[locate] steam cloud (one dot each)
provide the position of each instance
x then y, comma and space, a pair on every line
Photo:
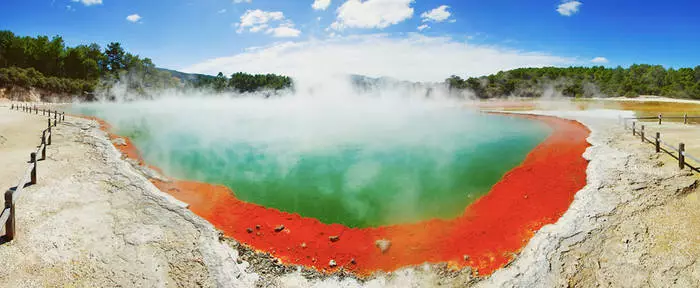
360, 131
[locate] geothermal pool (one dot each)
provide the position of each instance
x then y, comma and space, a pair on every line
368, 163
313, 181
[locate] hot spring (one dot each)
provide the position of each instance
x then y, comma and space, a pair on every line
360, 162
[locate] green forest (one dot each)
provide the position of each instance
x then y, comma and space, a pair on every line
47, 63
242, 82
585, 82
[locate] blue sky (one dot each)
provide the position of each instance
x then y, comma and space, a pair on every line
210, 35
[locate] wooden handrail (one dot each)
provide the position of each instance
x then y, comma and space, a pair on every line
680, 150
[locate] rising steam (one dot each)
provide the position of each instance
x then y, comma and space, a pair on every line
361, 154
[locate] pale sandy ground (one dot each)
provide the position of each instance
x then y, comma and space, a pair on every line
95, 221
19, 135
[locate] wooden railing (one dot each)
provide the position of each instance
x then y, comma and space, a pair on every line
660, 117
35, 109
660, 145
7, 216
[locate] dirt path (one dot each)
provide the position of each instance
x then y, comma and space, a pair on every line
91, 221
19, 135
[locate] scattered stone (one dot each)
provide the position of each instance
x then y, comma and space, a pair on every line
279, 228
352, 261
332, 263
303, 245
249, 230
383, 245
639, 186
334, 238
119, 142
257, 227
466, 257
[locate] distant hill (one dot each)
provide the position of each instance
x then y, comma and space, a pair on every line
187, 77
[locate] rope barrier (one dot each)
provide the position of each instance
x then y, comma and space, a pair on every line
691, 157
669, 145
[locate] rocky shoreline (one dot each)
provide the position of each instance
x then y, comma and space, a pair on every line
624, 228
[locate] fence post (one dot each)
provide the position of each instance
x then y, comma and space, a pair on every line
634, 132
681, 156
63, 116
658, 142
55, 116
660, 119
43, 144
49, 140
642, 133
685, 118
32, 158
12, 107
10, 224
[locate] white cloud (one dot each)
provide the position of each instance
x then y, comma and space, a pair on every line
569, 8
416, 58
254, 19
284, 31
321, 4
242, 1
257, 21
133, 18
599, 60
222, 11
372, 13
89, 2
438, 14
423, 27
258, 28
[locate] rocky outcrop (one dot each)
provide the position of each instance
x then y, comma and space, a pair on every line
22, 94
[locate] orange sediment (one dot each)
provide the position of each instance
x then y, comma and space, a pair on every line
485, 237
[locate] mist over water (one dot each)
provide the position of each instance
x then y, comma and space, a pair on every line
370, 158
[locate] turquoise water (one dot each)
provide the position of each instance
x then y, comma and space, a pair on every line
360, 167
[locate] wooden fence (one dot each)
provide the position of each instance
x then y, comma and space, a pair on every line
660, 145
660, 117
7, 217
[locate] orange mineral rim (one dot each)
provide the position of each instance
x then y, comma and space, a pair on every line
485, 237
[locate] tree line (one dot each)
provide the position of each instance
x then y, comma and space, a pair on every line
243, 82
585, 82
47, 63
